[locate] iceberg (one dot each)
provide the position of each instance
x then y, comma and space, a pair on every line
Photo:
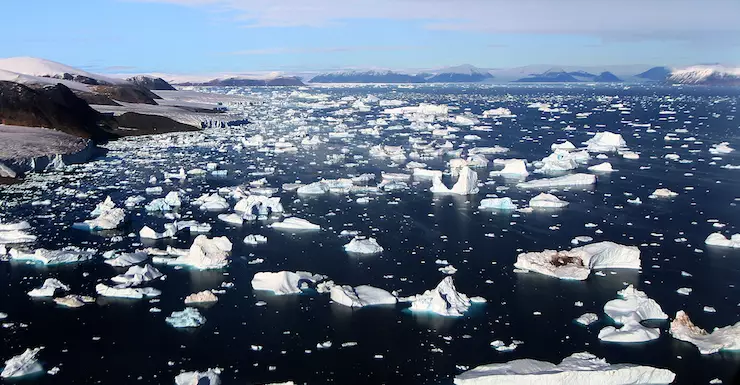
102, 207
11, 237
444, 300
362, 245
721, 148
74, 300
605, 142
587, 319
565, 146
284, 282
137, 275
663, 193
69, 254
717, 239
255, 239
361, 296
467, 183
204, 254
561, 160
263, 205
512, 168
427, 174
561, 181
629, 333
232, 219
126, 292
209, 377
205, 296
188, 318
577, 369
294, 223
48, 288
23, 364
726, 338
147, 232
212, 202
107, 220
577, 263
633, 307
602, 167
496, 204
547, 201
124, 259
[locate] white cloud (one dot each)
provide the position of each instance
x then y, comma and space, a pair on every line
658, 19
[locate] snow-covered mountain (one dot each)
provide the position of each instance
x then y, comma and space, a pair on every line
37, 67
465, 73
706, 75
367, 77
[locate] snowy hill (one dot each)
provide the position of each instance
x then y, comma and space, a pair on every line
706, 75
31, 66
465, 73
367, 77
658, 74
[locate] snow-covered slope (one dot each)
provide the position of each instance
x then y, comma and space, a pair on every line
706, 74
32, 66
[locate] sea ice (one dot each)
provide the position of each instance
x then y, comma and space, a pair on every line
561, 181
127, 292
188, 318
204, 254
116, 259
23, 364
70, 254
205, 296
294, 223
663, 193
363, 245
605, 142
577, 263
255, 239
633, 306
587, 319
496, 204
136, 275
717, 239
577, 369
602, 167
74, 300
512, 168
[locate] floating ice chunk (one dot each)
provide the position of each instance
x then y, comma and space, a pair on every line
466, 184
11, 237
602, 167
204, 254
449, 269
6, 172
180, 175
212, 202
127, 292
427, 174
14, 226
108, 219
717, 239
545, 200
209, 377
578, 369
561, 160
587, 319
294, 223
124, 259
361, 296
630, 155
443, 300
188, 318
684, 290
285, 282
636, 201
255, 239
157, 205
496, 204
133, 201
362, 245
512, 168
263, 205
501, 346
721, 148
605, 142
69, 254
147, 232
23, 364
136, 275
726, 338
581, 239
102, 207
663, 193
634, 306
577, 263
565, 146
205, 296
498, 112
74, 300
48, 288
232, 219
561, 181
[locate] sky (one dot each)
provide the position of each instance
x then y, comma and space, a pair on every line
209, 36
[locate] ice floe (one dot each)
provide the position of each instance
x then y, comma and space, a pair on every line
577, 263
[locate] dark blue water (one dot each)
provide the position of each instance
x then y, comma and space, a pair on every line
138, 347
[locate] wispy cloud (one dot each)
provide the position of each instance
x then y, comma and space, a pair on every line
310, 50
651, 19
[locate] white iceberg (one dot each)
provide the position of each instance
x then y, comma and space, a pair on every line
565, 146
361, 296
443, 300
577, 263
48, 288
209, 377
13, 233
285, 282
663, 193
587, 319
561, 181
205, 296
106, 216
726, 338
70, 254
204, 254
136, 275
548, 201
147, 232
23, 364
512, 168
126, 292
363, 245
717, 239
124, 259
496, 204
294, 223
467, 183
602, 167
255, 239
605, 142
74, 300
631, 332
188, 318
577, 369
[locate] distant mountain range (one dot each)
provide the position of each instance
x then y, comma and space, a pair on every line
238, 81
465, 73
561, 76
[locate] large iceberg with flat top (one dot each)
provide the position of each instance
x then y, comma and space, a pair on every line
13, 233
717, 239
70, 254
577, 263
294, 223
726, 338
577, 369
561, 181
285, 282
605, 142
467, 183
496, 204
361, 296
126, 292
443, 300
547, 201
512, 168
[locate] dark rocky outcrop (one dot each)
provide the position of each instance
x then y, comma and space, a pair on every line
658, 74
151, 83
607, 77
127, 93
136, 124
55, 107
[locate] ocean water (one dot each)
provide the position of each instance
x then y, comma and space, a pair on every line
119, 341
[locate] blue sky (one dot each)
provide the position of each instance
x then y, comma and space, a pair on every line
206, 36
